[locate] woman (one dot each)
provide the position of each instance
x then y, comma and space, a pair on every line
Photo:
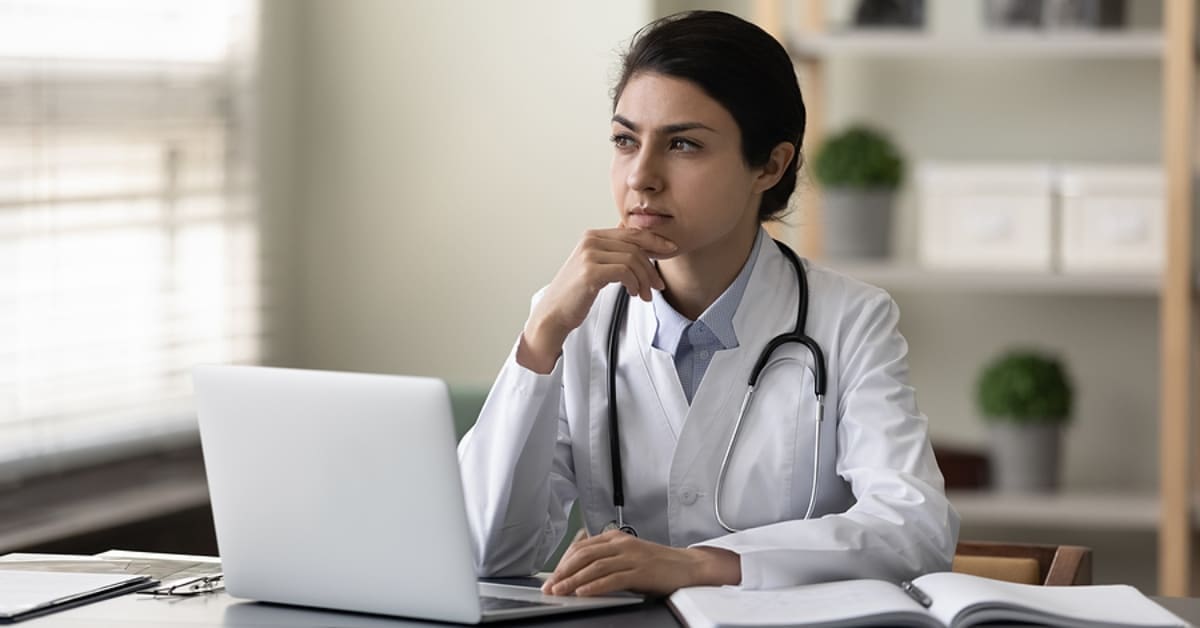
707, 126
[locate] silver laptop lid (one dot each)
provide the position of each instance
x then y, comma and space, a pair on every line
337, 490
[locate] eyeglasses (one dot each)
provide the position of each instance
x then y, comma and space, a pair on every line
188, 588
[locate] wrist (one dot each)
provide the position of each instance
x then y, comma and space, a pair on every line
540, 346
717, 566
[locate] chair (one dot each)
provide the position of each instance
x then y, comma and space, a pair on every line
466, 400
1025, 563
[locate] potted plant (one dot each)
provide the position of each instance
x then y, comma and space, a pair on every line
859, 170
1026, 397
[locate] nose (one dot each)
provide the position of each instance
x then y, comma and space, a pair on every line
645, 173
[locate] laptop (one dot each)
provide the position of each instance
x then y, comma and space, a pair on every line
342, 491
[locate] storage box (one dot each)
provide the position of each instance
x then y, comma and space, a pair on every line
985, 216
1112, 218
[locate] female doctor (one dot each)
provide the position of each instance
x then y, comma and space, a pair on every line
714, 487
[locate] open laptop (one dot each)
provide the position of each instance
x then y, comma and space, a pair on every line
342, 491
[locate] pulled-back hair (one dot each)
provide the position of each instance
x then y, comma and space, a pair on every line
740, 66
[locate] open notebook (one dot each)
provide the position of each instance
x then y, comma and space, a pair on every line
954, 600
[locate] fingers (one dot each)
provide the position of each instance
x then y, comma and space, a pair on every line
616, 581
647, 241
580, 535
612, 256
583, 551
583, 555
642, 275
597, 576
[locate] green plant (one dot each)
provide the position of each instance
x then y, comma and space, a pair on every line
859, 157
1025, 386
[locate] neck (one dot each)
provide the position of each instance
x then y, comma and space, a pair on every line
694, 280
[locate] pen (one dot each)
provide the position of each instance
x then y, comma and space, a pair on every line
916, 594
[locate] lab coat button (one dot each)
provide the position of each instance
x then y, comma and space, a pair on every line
688, 496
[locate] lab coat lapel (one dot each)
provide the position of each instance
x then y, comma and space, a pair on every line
660, 367
767, 310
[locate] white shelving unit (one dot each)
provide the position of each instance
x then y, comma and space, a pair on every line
1035, 45
1031, 44
1171, 512
1134, 512
908, 276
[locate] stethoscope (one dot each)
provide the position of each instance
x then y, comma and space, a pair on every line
797, 336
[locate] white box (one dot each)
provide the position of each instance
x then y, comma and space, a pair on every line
985, 216
1112, 218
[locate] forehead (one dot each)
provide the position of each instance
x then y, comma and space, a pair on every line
656, 100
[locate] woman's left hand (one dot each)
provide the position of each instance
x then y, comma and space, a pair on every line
615, 561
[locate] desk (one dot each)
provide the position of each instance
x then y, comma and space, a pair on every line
221, 609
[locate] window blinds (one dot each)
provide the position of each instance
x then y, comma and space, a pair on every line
129, 231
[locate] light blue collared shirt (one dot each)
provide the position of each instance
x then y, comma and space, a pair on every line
693, 343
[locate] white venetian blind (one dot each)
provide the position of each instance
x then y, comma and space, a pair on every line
129, 244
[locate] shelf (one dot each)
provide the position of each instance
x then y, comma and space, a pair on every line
1092, 511
1024, 44
908, 277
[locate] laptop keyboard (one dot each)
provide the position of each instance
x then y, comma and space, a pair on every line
489, 603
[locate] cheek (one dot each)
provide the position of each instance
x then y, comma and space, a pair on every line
616, 180
716, 184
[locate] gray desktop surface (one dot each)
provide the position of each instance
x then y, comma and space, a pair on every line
221, 610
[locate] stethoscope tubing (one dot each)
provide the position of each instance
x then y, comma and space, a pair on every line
737, 425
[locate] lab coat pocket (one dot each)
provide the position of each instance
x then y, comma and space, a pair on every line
770, 458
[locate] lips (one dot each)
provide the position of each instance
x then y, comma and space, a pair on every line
646, 218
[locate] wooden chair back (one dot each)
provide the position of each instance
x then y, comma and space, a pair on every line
1026, 563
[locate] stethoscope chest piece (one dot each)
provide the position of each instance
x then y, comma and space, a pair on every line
613, 525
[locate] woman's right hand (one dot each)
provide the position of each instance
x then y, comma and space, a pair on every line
603, 256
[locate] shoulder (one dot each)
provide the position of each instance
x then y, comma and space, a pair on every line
847, 295
861, 321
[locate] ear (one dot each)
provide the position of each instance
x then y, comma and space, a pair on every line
776, 166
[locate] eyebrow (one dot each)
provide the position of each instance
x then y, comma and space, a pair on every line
666, 129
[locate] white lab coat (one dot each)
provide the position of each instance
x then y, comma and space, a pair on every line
541, 443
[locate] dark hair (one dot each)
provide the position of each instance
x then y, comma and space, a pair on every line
738, 65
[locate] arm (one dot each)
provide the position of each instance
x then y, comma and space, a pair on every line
518, 475
517, 470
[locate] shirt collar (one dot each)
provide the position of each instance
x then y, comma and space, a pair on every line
718, 317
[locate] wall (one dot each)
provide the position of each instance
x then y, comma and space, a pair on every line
277, 145
450, 155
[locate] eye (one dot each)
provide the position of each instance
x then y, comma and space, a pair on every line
683, 145
622, 141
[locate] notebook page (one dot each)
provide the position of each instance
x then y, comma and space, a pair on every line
957, 594
828, 604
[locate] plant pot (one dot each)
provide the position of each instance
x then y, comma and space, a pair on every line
858, 223
1025, 456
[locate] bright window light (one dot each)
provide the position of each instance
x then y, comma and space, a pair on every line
129, 231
